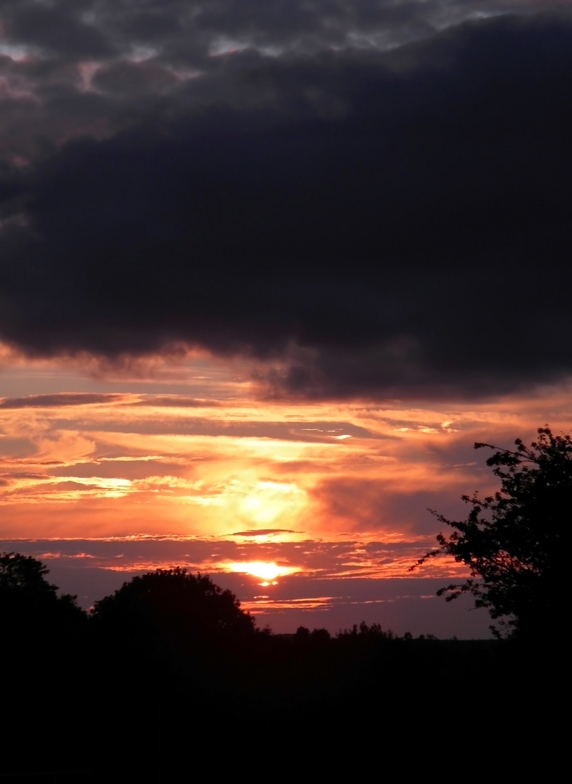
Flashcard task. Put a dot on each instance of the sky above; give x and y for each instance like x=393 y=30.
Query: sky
x=267 y=271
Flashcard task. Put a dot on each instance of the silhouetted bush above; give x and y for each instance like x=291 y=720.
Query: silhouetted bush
x=512 y=541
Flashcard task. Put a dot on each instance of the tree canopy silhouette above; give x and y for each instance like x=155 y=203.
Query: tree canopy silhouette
x=512 y=541
x=176 y=608
x=28 y=600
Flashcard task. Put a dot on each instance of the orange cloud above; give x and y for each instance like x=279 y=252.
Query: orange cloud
x=118 y=457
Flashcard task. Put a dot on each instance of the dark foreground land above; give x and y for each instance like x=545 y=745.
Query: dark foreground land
x=95 y=706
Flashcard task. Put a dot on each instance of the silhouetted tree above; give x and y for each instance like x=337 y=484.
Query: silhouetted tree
x=43 y=653
x=23 y=575
x=173 y=608
x=363 y=630
x=28 y=600
x=512 y=541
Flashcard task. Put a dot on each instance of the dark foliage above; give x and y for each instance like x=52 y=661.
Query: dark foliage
x=44 y=660
x=171 y=608
x=373 y=632
x=512 y=541
x=118 y=708
x=28 y=602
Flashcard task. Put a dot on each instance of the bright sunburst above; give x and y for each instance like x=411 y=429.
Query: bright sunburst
x=265 y=570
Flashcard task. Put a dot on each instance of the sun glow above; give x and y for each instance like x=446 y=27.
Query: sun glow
x=265 y=502
x=263 y=569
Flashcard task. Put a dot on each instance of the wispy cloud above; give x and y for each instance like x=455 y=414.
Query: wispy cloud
x=62 y=399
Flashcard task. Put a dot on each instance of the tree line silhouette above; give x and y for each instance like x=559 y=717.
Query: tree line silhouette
x=158 y=668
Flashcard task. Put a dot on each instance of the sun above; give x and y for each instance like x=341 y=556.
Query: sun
x=267 y=570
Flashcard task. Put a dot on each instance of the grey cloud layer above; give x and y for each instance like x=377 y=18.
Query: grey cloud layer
x=360 y=221
x=189 y=31
x=79 y=67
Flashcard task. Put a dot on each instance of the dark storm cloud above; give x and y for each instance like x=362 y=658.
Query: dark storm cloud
x=360 y=221
x=57 y=29
x=187 y=32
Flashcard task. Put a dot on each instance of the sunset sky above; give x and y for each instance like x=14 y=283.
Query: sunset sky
x=267 y=271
